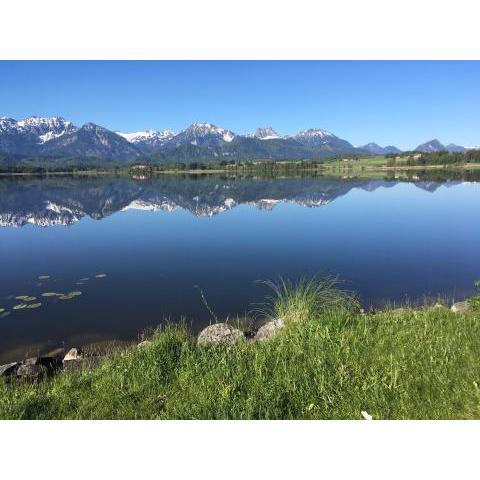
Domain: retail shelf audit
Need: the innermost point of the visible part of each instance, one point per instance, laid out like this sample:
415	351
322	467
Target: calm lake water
160	241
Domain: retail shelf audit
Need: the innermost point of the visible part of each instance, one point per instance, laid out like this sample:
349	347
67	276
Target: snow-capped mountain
46	128
92	141
57	137
376	149
266	133
24	136
314	136
149	139
203	135
325	140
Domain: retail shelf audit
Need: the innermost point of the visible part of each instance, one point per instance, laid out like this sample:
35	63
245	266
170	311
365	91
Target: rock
53	364
269	330
220	334
35	369
8	369
73	354
31	372
460	307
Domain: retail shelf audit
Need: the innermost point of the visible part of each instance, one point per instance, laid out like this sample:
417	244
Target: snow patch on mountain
204	134
148	136
314	133
266	133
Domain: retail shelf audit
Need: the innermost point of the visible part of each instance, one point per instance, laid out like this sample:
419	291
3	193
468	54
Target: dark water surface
159	241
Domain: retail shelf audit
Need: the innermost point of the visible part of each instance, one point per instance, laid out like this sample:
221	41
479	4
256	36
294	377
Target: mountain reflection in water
64	201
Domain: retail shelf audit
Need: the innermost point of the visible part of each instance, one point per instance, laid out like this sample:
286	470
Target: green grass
330	362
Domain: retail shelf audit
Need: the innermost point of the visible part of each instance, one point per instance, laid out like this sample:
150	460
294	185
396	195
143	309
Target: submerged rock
460	307
269	330
220	334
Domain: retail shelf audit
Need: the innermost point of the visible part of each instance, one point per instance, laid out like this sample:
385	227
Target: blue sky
399	103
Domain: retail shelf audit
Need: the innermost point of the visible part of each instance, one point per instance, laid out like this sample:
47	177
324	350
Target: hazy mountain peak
431	146
376	149
452	147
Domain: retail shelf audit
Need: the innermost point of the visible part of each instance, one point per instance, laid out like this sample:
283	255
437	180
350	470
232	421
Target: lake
149	248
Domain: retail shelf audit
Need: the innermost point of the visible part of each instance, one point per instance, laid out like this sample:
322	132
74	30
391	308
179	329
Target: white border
239	450
250	29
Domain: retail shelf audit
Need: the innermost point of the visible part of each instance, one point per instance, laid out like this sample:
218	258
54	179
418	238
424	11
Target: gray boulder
36	369
73	354
8	369
460	307
31	372
269	330
220	334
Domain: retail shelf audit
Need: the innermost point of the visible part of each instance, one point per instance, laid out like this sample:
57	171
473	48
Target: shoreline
336	355
340	168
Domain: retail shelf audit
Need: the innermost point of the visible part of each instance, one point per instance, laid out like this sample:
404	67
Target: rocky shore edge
37	369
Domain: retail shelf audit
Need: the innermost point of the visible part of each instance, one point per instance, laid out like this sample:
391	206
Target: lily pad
51	294
4	314
101	275
44	277
84	279
76	293
2	310
25	298
34	305
20	306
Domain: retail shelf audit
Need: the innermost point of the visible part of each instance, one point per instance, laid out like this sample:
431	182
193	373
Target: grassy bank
327	363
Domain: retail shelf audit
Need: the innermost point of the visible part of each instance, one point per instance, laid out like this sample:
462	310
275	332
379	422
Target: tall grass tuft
308	298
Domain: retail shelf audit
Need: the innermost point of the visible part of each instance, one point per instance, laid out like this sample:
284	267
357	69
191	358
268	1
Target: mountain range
375	149
435	146
56	137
